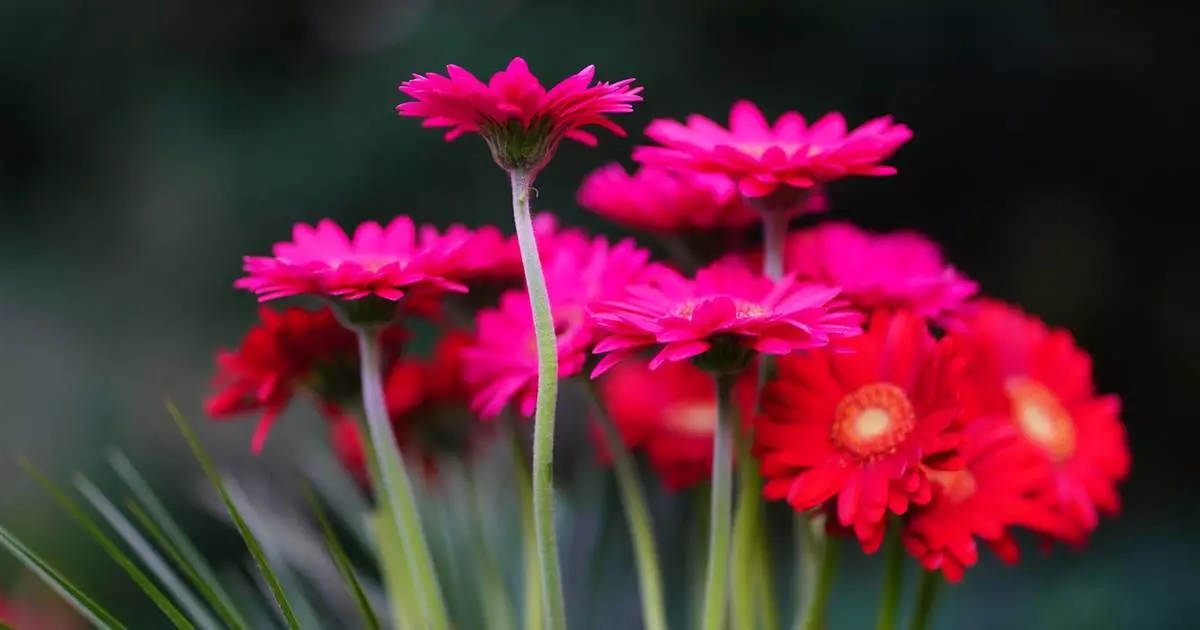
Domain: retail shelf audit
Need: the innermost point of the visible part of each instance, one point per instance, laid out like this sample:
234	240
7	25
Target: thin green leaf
83	604
158	522
252	544
141	579
144	550
5	626
345	567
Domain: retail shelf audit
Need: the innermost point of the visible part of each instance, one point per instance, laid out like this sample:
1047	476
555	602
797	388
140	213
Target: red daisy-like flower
287	353
1035	383
1001	486
898	270
670	414
521	121
502	366
661	201
726	309
428	402
862	425
383	262
762	158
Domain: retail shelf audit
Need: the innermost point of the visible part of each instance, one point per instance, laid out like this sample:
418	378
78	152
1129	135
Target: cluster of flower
895	389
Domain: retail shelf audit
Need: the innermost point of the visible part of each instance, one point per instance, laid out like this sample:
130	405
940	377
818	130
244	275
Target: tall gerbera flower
521	121
897	270
786	157
862	427
1035	383
671	414
502	366
285	354
1000	487
663	202
721	318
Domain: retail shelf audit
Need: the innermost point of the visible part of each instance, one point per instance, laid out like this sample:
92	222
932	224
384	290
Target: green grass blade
252	544
345	567
5	626
141	579
70	593
156	519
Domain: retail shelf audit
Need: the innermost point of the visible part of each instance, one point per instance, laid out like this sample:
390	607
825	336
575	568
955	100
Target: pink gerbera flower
899	270
762	158
521	121
502	366
664	202
721	317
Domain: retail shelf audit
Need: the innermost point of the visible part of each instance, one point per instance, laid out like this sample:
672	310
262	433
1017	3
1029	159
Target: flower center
1041	417
743	309
872	420
692	419
957	485
757	149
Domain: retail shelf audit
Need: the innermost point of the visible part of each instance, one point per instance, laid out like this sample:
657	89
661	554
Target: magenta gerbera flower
896	271
379	262
762	158
664	202
722	317
521	121
502	365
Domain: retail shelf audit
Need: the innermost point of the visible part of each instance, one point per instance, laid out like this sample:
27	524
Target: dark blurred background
145	146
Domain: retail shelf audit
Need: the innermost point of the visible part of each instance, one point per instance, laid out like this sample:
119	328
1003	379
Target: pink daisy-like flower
896	271
502	366
762	158
521	121
721	317
657	200
380	262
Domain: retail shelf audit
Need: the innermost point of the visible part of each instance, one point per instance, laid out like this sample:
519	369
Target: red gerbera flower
288	353
761	158
671	414
726	308
1001	486
379	261
521	121
502	366
862	427
660	201
898	270
1036	384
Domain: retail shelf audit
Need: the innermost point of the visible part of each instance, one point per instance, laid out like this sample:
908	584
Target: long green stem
927	593
769	606
820	583
637	515
747	528
893	581
547	399
697	546
393	488
775	224
716	585
532	587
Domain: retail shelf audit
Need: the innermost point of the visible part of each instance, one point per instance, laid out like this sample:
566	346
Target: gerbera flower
1034	383
862	427
427	400
521	121
722	317
1001	486
295	351
670	414
898	270
502	366
660	201
763	158
379	262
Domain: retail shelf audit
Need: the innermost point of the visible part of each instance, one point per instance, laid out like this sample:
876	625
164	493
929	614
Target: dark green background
146	145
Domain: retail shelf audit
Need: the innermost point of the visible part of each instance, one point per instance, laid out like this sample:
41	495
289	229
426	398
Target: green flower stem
533	582
769	606
747	529
547	399
716	585
818	579
393	489
775	224
697	558
893	580
637	515
928	589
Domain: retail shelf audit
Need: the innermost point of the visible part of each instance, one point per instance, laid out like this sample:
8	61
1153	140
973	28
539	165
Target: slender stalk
697	557
547	398
928	589
533	583
716	585
493	593
893	581
393	488
769	602
816	611
747	529
637	515
775	225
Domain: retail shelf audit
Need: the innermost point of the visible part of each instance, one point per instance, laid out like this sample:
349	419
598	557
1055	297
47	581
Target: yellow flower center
872	420
1041	417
